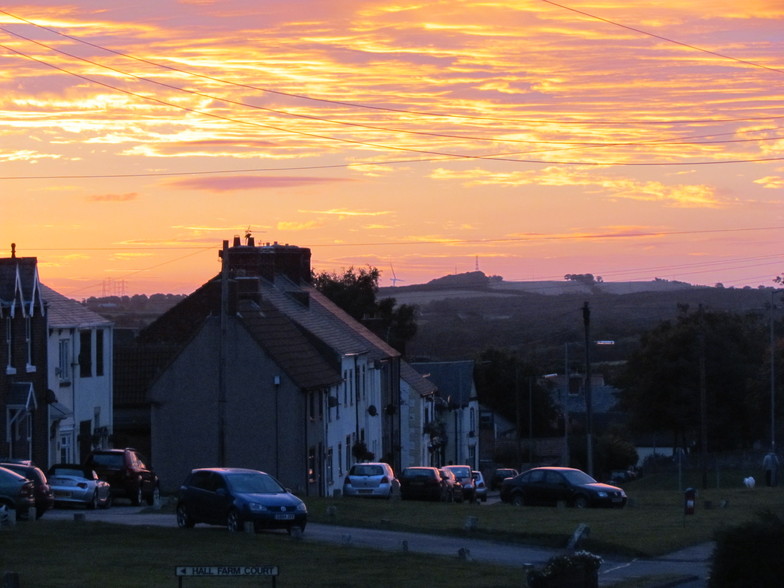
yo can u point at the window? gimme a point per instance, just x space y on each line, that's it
64 362
29 342
85 354
99 352
9 340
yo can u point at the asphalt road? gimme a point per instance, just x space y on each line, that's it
690 565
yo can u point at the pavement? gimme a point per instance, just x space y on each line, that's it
687 568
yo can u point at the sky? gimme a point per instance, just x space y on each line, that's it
527 139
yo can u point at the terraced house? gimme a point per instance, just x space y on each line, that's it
24 396
263 371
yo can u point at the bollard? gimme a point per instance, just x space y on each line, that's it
79 516
471 523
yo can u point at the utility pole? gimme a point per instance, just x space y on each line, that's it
588 391
224 312
703 400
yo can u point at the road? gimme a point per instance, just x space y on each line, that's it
691 565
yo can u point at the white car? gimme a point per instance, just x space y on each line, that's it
371 479
76 484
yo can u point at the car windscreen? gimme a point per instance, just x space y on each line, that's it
108 460
461 472
366 470
418 473
254 484
578 478
68 472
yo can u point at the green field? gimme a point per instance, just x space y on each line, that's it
67 553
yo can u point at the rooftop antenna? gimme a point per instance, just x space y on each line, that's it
249 237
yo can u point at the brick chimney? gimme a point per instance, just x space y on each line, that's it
268 260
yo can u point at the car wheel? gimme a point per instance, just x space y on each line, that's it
137 496
154 496
518 500
233 521
581 501
93 504
184 521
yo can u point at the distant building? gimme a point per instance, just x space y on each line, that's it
454 424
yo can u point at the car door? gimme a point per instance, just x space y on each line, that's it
554 488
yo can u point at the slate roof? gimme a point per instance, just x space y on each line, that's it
65 313
287 345
454 379
323 319
416 380
271 329
19 285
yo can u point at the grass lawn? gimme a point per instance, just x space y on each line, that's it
653 524
86 554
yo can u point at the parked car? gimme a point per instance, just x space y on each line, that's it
76 484
127 473
454 489
371 479
422 483
481 487
551 485
234 496
501 474
466 478
16 492
44 499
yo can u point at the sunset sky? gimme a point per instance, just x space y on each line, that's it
529 139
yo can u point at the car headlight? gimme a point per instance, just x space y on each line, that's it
301 507
602 494
257 507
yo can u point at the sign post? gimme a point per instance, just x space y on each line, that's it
225 571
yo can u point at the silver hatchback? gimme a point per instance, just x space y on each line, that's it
375 480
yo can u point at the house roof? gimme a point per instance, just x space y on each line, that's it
65 313
287 345
416 380
323 319
270 328
454 379
19 286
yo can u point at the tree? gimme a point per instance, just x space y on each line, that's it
661 384
503 383
356 290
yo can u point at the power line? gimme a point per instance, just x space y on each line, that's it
656 142
667 39
396 110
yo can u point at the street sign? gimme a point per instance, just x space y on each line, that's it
207 571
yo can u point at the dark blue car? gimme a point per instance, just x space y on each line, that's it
235 496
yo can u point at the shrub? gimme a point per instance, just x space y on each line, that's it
750 554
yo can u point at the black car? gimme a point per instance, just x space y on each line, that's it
16 493
423 483
127 472
551 485
234 496
44 497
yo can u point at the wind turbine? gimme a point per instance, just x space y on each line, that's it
394 279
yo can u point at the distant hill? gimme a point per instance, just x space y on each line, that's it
461 315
